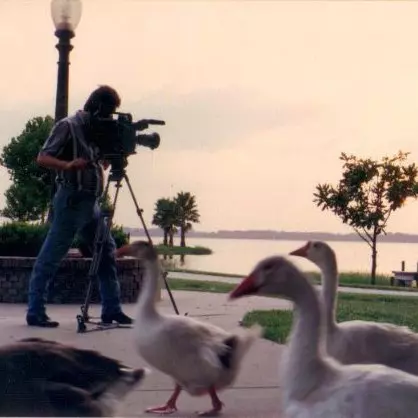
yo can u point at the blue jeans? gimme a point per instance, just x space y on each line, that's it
74 211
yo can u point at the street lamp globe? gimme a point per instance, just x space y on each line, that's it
66 14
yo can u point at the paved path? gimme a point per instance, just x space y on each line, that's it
256 393
227 279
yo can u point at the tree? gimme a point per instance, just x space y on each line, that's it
165 218
186 214
28 197
368 193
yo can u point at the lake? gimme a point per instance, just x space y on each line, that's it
238 256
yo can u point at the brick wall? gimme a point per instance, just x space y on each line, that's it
70 283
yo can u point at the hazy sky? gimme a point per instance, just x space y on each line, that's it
259 98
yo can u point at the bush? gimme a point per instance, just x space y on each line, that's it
21 239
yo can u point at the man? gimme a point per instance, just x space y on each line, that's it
71 150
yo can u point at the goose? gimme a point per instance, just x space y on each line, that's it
315 385
44 378
359 341
201 358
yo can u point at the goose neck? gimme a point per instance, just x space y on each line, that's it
305 352
149 290
329 292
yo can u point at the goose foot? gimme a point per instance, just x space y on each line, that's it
162 410
211 413
170 407
216 405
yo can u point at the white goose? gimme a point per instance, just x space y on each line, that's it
316 385
47 379
200 357
359 341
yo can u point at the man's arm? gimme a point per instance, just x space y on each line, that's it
50 162
56 164
48 156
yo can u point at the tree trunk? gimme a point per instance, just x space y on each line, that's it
182 236
374 261
165 237
171 238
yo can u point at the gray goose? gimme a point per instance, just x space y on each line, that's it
45 378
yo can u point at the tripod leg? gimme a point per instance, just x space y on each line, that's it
169 293
139 212
101 236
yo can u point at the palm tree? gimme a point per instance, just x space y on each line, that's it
164 217
186 214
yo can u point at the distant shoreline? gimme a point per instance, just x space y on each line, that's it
281 235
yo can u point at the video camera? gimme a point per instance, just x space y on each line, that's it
118 138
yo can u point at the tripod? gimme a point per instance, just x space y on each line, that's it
117 174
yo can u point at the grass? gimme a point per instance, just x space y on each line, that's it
399 310
349 279
208 273
177 250
378 308
200 285
362 281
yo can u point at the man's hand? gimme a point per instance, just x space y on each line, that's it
77 164
105 164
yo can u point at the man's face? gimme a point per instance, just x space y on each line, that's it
106 110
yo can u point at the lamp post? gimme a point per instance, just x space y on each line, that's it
66 15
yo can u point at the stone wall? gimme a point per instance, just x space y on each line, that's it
70 283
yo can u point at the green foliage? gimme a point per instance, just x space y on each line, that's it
105 202
28 197
21 239
119 235
378 308
368 193
186 213
175 250
178 212
165 218
369 190
200 285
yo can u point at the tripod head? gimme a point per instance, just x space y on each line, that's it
118 164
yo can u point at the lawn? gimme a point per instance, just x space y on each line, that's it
349 279
399 310
177 250
200 285
379 308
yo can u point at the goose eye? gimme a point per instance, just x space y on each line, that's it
268 267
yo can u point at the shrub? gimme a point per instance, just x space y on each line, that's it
21 239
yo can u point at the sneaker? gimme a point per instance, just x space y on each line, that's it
42 320
118 317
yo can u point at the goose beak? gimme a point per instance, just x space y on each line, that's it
246 287
301 252
123 251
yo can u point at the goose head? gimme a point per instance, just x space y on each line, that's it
128 378
319 252
271 276
138 249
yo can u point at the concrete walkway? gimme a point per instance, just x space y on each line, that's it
256 393
235 280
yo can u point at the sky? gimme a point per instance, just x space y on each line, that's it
259 97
